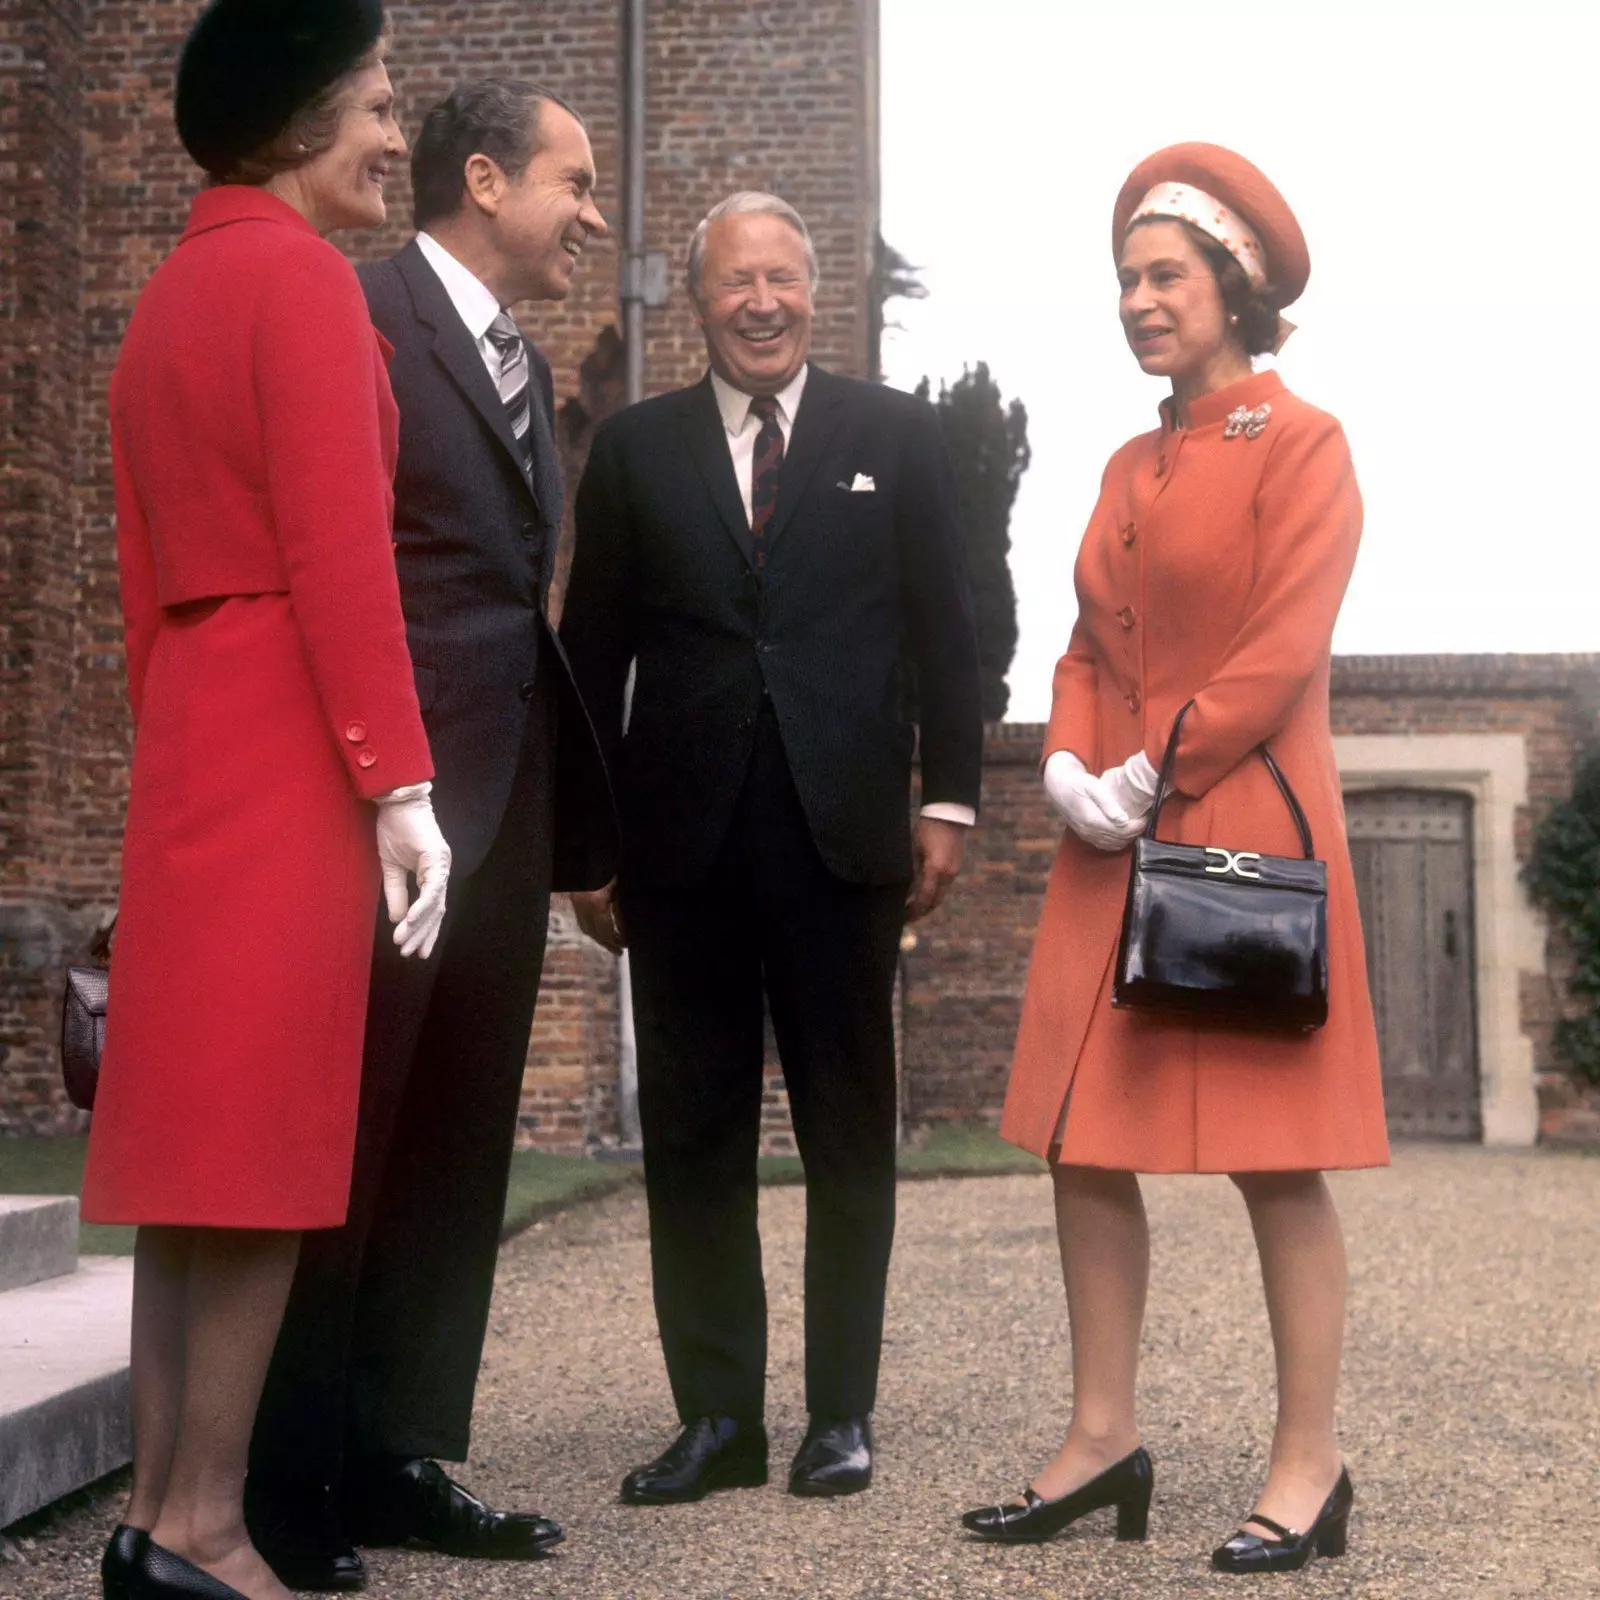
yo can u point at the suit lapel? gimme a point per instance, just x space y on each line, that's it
701 422
546 460
821 407
458 355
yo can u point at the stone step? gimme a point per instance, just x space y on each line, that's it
38 1238
64 1383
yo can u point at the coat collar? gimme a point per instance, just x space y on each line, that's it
814 424
458 354
474 304
816 417
735 405
1258 389
707 438
225 203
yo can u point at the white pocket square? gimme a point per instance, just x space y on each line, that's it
862 484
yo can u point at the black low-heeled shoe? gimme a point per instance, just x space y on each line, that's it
1127 1485
1290 1550
119 1566
161 1574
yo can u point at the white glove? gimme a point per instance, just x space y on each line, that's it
1133 785
409 841
1086 804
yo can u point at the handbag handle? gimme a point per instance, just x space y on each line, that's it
1164 787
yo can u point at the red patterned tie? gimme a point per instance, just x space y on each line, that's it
764 472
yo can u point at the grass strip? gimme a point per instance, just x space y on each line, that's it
540 1184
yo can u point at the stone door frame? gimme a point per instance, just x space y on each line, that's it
1492 768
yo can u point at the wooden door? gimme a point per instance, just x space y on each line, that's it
1412 851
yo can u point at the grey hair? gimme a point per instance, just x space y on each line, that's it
746 203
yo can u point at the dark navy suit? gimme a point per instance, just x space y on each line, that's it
381 1344
764 787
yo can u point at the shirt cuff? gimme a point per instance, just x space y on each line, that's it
951 811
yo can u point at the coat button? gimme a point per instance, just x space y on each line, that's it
530 530
366 756
1134 701
1125 616
356 733
526 689
1129 534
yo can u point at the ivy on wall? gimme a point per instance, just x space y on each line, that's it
1563 877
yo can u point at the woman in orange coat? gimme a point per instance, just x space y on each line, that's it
1212 570
253 438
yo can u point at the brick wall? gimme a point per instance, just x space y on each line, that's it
1553 704
965 978
95 191
42 88
965 974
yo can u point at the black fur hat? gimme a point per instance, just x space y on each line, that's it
250 65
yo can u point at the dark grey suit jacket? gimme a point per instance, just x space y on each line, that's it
475 546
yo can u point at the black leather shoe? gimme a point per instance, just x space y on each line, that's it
1127 1485
158 1574
415 1501
1290 1550
710 1453
119 1565
835 1457
299 1537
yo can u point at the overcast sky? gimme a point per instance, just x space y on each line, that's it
1445 165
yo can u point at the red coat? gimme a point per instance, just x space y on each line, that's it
1213 569
253 437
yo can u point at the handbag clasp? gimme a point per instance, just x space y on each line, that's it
1233 861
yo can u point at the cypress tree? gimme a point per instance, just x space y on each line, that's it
988 445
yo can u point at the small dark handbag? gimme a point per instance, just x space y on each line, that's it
1228 934
83 1024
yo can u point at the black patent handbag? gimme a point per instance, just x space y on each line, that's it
1231 935
83 1023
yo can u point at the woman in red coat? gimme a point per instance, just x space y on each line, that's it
254 438
1212 571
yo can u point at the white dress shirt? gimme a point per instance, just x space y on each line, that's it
476 306
743 429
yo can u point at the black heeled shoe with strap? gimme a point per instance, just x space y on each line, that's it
1289 1549
1127 1485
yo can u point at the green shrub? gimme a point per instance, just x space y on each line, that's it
1563 877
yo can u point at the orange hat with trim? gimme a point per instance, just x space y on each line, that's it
1228 199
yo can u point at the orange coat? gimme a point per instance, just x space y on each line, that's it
1213 569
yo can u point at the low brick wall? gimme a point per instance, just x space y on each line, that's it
964 972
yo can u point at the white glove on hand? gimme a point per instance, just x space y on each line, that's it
1086 804
409 841
1133 785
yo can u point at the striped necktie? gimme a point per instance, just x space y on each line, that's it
764 469
504 335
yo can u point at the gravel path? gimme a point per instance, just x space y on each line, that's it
1471 1417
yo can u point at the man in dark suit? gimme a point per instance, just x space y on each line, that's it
762 544
377 1364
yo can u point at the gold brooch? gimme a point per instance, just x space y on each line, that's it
1247 422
